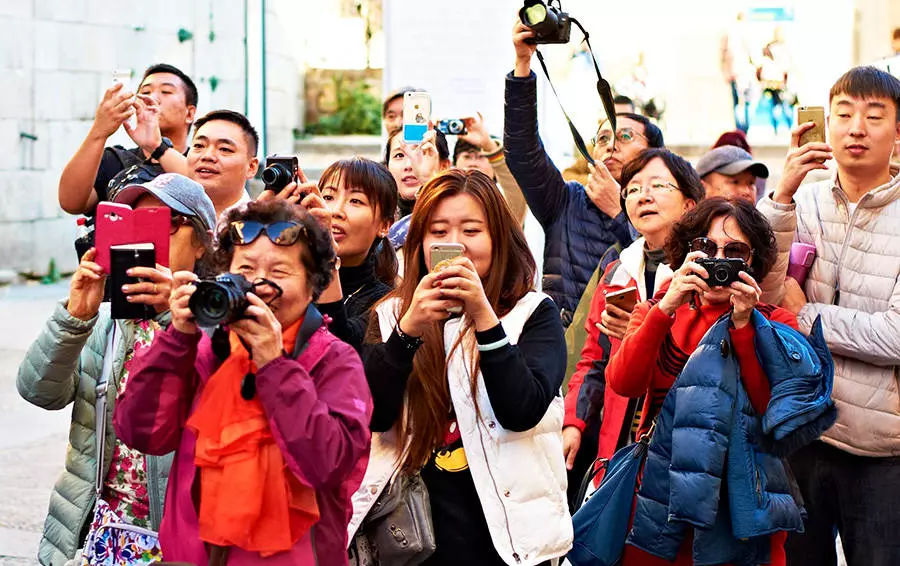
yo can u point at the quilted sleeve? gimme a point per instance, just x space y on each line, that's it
48 376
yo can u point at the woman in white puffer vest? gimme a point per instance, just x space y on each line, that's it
474 396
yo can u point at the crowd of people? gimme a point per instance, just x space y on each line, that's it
371 404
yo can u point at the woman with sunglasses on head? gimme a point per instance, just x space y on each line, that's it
361 196
67 360
662 335
465 366
659 188
271 435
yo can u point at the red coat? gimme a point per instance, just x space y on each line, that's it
588 394
318 408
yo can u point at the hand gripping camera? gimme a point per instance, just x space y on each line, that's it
550 24
722 271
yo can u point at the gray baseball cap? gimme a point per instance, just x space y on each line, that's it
179 193
730 160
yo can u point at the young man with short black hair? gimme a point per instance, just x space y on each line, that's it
222 157
849 479
165 106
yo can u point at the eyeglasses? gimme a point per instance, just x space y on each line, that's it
656 187
244 232
178 220
733 250
625 135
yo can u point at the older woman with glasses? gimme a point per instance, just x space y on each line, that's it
728 396
659 187
271 432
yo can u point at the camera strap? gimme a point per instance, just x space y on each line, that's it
603 89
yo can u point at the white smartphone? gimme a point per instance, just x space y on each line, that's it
416 116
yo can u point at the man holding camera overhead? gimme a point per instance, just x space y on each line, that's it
580 222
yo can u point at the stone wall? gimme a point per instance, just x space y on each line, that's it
57 57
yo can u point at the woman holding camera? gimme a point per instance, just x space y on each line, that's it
659 188
79 342
465 367
696 303
361 196
271 434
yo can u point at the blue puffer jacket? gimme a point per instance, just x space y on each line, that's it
715 465
577 232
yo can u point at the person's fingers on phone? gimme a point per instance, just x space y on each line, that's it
798 132
617 312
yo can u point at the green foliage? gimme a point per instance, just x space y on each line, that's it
358 112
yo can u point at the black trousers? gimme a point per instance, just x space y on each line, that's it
856 496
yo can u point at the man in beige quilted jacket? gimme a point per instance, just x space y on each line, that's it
850 481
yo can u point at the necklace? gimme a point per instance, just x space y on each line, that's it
351 295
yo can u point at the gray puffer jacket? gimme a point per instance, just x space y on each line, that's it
62 366
854 285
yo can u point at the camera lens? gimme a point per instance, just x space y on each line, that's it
535 14
220 301
276 176
721 274
455 127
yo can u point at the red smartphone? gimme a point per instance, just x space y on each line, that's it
625 299
118 224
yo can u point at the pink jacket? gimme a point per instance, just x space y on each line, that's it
319 408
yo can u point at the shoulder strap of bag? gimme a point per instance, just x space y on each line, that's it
312 321
603 89
100 407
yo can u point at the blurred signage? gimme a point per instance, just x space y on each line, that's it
771 14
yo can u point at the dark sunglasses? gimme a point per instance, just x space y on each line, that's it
244 232
733 250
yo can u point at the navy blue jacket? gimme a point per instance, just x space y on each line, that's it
715 465
577 232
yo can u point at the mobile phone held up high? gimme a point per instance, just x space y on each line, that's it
123 258
118 224
416 116
441 255
812 114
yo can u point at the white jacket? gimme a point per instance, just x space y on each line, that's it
631 268
859 254
520 477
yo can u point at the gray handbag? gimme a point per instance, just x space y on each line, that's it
398 530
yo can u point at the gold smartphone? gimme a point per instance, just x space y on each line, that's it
626 299
812 114
441 255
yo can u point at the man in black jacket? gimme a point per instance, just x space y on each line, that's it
580 222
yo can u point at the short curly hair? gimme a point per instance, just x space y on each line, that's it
696 223
317 254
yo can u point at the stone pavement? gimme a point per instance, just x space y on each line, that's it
32 440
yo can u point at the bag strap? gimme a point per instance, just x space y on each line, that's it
100 407
312 321
589 475
603 89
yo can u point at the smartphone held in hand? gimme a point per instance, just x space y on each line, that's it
812 114
123 258
441 255
416 116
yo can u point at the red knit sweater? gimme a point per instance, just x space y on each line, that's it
654 351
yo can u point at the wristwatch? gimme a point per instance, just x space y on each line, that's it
164 146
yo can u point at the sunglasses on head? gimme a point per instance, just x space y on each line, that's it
244 232
732 250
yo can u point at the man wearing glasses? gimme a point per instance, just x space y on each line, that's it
580 222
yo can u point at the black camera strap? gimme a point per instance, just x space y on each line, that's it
603 89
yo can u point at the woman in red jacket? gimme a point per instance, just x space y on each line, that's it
663 332
660 187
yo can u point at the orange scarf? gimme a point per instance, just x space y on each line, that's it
248 497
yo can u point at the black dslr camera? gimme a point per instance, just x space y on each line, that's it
722 271
549 24
220 301
280 171
451 127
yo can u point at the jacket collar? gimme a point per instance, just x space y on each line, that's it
877 197
631 268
